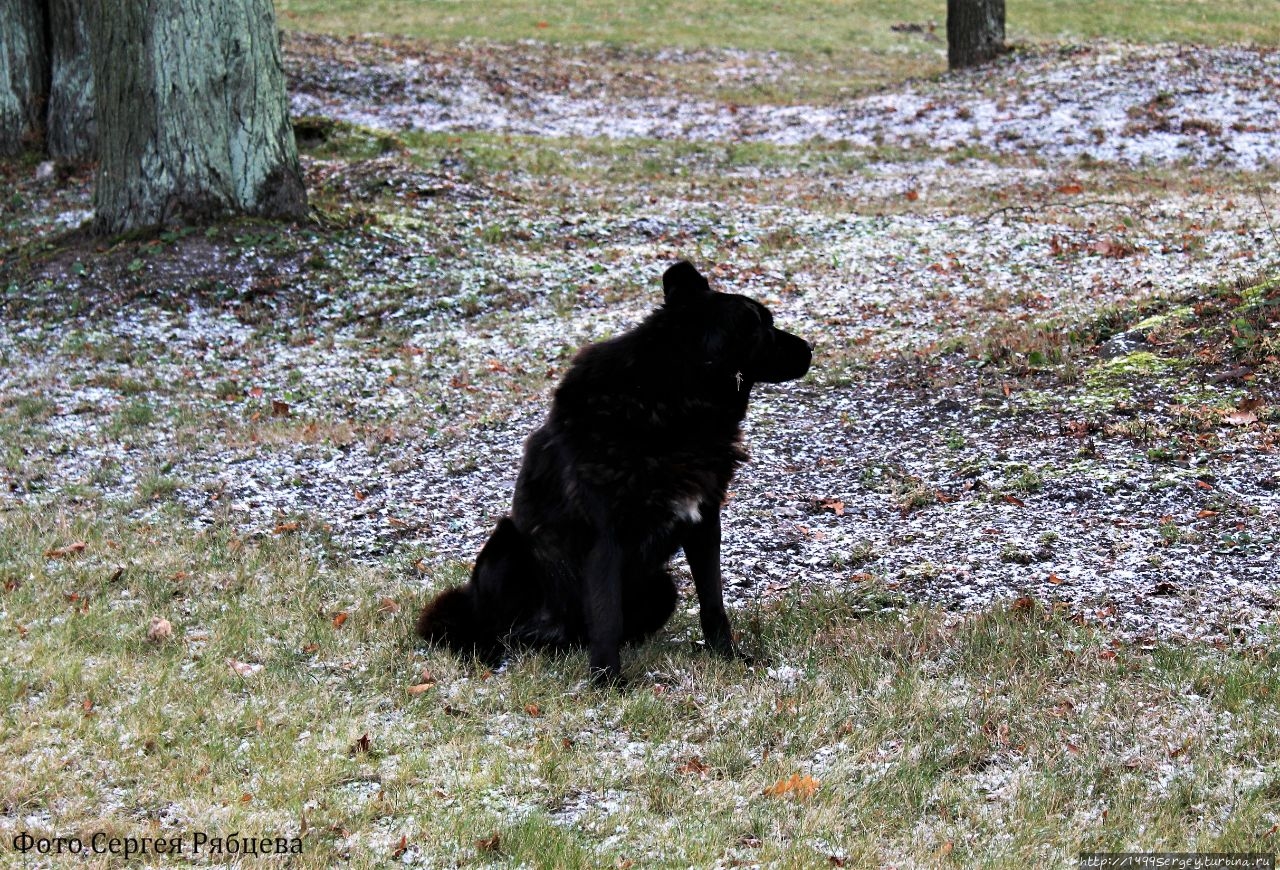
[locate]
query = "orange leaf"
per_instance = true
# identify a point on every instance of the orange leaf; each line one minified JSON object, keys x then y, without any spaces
{"x":1014,"y":500}
{"x":420,"y":688}
{"x":533,"y":710}
{"x":800,"y":787}
{"x":388,"y":605}
{"x":340,"y":619}
{"x":1055,"y":579}
{"x":68,"y":550}
{"x":1204,"y":515}
{"x":1070,"y":189}
{"x":283,"y":528}
{"x":1240,"y":418}
{"x":912,"y":195}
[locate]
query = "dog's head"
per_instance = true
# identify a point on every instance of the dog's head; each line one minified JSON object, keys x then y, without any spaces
{"x":732,"y":334}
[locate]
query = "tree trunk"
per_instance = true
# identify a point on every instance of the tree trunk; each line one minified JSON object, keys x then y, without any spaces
{"x":72,"y":134}
{"x":193,"y":120}
{"x":24,"y":73}
{"x":975,"y":31}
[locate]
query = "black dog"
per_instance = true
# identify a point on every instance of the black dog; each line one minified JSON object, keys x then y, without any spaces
{"x":632,"y":464}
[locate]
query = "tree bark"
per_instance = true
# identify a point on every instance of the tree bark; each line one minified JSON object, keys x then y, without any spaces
{"x":24,"y":74}
{"x":72,"y":132}
{"x":193,"y":120}
{"x":975,"y":31}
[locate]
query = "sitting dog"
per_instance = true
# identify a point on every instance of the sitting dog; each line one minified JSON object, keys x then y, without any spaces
{"x":632,"y":464}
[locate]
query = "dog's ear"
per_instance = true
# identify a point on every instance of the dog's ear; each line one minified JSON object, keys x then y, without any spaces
{"x":682,"y":283}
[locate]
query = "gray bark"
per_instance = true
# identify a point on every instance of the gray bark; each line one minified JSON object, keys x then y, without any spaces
{"x":975,"y":31}
{"x":24,"y":73}
{"x":193,"y":119}
{"x":72,"y":133}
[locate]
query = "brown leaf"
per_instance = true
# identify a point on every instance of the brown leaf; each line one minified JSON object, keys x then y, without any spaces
{"x":800,"y":787}
{"x":64,"y":552}
{"x":244,"y":669}
{"x":692,"y":767}
{"x":388,"y":606}
{"x":340,"y":619}
{"x":310,"y":648}
{"x":1070,"y":189}
{"x":361,"y":745}
{"x":1206,"y":514}
{"x":279,"y":408}
{"x":912,"y":195}
{"x":1014,"y":500}
{"x":533,"y":710}
{"x":284,"y":528}
{"x":489,"y":844}
{"x":1023,"y":604}
{"x":1055,"y":580}
{"x":1240,"y":418}
{"x":834,"y":505}
{"x":420,"y":688}
{"x":401,"y":847}
{"x":159,"y":630}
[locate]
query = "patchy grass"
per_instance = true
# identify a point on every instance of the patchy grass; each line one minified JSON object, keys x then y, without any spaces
{"x":921,"y":732}
{"x":294,"y":434}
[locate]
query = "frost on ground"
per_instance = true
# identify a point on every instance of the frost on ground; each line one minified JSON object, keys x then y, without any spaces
{"x":377,"y":404}
{"x":1107,"y":102}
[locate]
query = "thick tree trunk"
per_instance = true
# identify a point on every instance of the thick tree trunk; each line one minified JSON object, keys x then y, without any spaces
{"x":975,"y":31}
{"x":193,"y":119}
{"x":24,"y":74}
{"x":72,"y":134}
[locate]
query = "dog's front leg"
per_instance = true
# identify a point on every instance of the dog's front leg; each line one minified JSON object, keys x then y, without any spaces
{"x":702,"y":549}
{"x":604,"y":610}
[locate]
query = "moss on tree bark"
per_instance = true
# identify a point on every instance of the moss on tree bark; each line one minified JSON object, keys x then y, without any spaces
{"x":193,"y":119}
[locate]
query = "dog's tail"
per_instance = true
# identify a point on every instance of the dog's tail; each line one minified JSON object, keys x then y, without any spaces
{"x":475,"y":617}
{"x":450,"y":620}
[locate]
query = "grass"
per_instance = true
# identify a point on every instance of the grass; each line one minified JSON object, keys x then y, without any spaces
{"x":975,"y":741}
{"x":289,"y":698}
{"x":837,"y":30}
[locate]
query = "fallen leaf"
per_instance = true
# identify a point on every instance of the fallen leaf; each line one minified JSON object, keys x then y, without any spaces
{"x":1206,"y":514}
{"x":1070,"y":189}
{"x":1014,"y":500}
{"x":800,"y":787}
{"x":489,"y":844}
{"x":912,"y":195}
{"x":388,"y":605}
{"x":284,"y":528}
{"x":244,"y":669}
{"x":361,"y":745}
{"x":401,"y":847}
{"x":533,"y":710}
{"x":420,"y":688}
{"x":159,"y":630}
{"x":1240,"y":418}
{"x":64,"y":552}
{"x":1055,"y":580}
{"x":692,"y":767}
{"x":339,"y":619}
{"x":279,"y":408}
